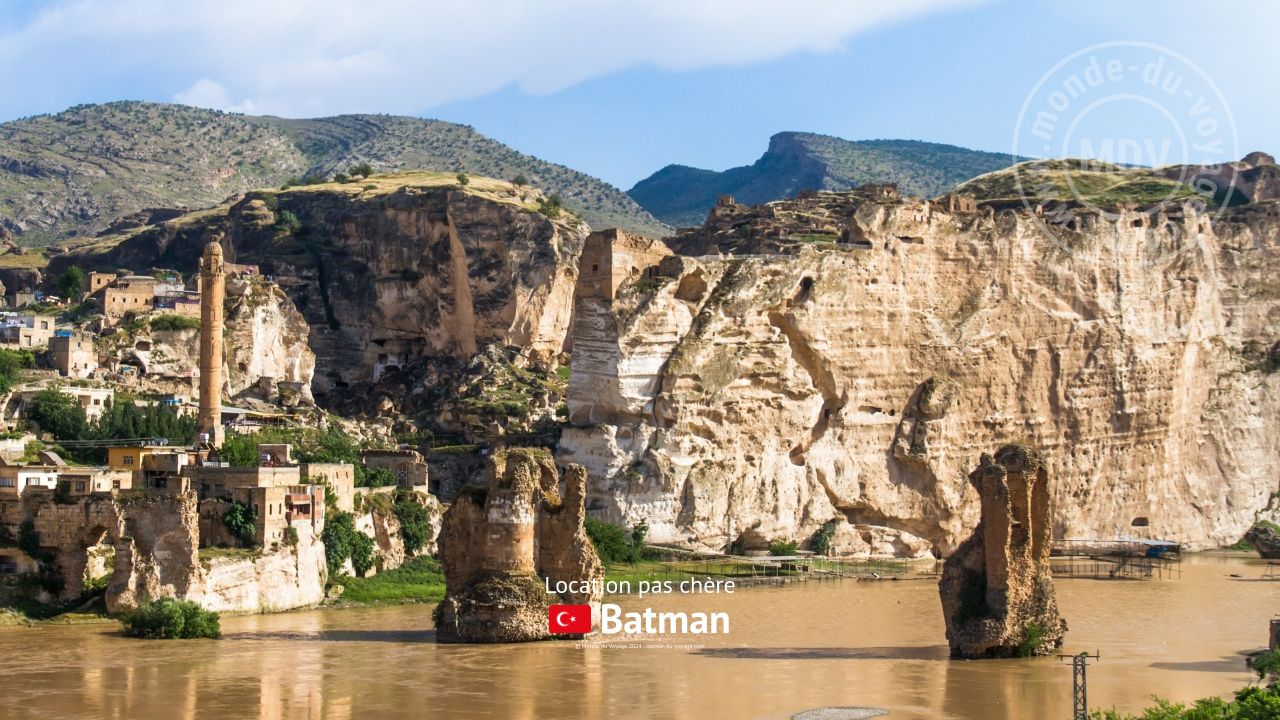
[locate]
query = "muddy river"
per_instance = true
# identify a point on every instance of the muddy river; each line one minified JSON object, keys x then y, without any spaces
{"x":789,"y":649}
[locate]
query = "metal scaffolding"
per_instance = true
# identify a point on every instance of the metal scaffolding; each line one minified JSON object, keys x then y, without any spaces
{"x":1123,"y":558}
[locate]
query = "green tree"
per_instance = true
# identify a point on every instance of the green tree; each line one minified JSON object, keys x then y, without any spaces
{"x":241,"y":522}
{"x":58,"y":414}
{"x":415,"y":525}
{"x":71,"y":284}
{"x":363,"y":170}
{"x":611,"y":542}
{"x":11,"y":363}
{"x":520,"y":180}
{"x":463,"y":179}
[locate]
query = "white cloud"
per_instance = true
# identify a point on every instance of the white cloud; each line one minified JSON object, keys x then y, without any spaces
{"x":313,"y":57}
{"x":208,"y":93}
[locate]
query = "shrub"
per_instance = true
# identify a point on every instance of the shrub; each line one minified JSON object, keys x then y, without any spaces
{"x":378,"y":477}
{"x":520,"y":180}
{"x":288,"y":222}
{"x":611,"y":542}
{"x":343,"y":541}
{"x":361,"y":553}
{"x":174,"y":322}
{"x":550,"y":205}
{"x":415,"y":526}
{"x":821,"y":541}
{"x":361,"y":170}
{"x":1031,"y":640}
{"x":291,"y":536}
{"x":169,"y":619}
{"x":463,"y":179}
{"x":783,"y":547}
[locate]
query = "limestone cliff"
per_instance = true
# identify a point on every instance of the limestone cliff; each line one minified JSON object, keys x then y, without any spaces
{"x":400,"y":278}
{"x":265,"y":340}
{"x":851,"y":352}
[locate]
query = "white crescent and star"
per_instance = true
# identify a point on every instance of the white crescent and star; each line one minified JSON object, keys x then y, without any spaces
{"x":560,"y":619}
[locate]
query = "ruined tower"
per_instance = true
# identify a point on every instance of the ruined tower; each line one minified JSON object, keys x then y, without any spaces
{"x":997,"y":587}
{"x":213,"y":287}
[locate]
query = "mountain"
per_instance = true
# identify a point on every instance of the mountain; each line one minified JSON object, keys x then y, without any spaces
{"x":72,"y":173}
{"x":682,"y":196}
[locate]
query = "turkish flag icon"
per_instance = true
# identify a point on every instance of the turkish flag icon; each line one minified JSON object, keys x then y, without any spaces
{"x":569,"y":619}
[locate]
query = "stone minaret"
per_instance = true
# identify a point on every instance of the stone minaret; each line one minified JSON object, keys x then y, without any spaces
{"x":213,"y":288}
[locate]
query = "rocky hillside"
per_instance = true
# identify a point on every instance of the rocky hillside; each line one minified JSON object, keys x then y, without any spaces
{"x":74,"y":172}
{"x":856,"y":370}
{"x":403,"y":281}
{"x":681,"y":196}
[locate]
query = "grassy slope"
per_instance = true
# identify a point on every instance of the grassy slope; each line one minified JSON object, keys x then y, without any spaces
{"x":682,"y":195}
{"x":1097,"y":184}
{"x":74,"y":172}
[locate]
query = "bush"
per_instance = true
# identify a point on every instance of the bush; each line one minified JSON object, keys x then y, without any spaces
{"x":520,"y":180}
{"x":611,"y":542}
{"x":362,"y":170}
{"x":415,"y":526}
{"x":821,"y":541}
{"x":343,"y":541}
{"x":169,"y":619}
{"x":174,"y":322}
{"x":550,"y":205}
{"x":286,"y":221}
{"x":463,"y":179}
{"x":361,"y":553}
{"x":58,"y":414}
{"x":1031,"y":641}
{"x":291,"y":536}
{"x":379,"y":477}
{"x":783,"y":547}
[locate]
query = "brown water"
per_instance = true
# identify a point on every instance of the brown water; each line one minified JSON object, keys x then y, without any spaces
{"x":790,"y":649}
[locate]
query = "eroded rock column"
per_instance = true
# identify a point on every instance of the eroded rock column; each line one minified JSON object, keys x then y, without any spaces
{"x":499,"y":547}
{"x":997,"y":588}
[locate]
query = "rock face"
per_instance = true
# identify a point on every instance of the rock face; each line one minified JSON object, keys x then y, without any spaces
{"x":1265,"y":538}
{"x":281,"y":578}
{"x":381,"y":524}
{"x":997,"y":588}
{"x":842,"y":362}
{"x":265,"y":344}
{"x":267,"y":354}
{"x":405,"y":280}
{"x":501,"y":546}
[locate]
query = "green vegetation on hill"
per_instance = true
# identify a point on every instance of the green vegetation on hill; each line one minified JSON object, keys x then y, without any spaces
{"x":74,"y":172}
{"x":682,"y":196}
{"x":1094,"y":183}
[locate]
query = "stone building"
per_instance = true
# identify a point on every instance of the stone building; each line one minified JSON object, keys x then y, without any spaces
{"x":612,"y":257}
{"x":130,"y":293}
{"x":93,"y":400}
{"x":72,"y":354}
{"x":28,"y":331}
{"x":409,"y":467}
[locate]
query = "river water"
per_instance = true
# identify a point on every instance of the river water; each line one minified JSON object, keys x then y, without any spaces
{"x":790,"y":649}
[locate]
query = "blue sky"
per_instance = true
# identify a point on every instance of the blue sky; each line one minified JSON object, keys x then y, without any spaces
{"x":620,"y":89}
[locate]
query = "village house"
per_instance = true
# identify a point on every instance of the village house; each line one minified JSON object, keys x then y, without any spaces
{"x":76,"y":481}
{"x":131,"y":293}
{"x":16,"y":479}
{"x":27,"y":331}
{"x":72,"y":354}
{"x":93,"y":400}
{"x":408,"y":466}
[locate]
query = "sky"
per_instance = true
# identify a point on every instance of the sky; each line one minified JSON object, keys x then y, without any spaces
{"x":620,"y":89}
